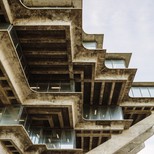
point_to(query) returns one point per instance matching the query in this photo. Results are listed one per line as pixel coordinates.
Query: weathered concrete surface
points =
(57, 3)
(137, 144)
(117, 142)
(19, 137)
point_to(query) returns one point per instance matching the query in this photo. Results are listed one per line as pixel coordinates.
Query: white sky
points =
(128, 26)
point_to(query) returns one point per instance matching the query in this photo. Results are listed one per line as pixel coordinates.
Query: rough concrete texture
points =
(127, 137)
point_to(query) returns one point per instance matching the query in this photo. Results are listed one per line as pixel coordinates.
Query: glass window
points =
(14, 37)
(104, 113)
(67, 140)
(141, 92)
(118, 64)
(35, 135)
(136, 92)
(151, 90)
(11, 115)
(116, 113)
(145, 92)
(1, 112)
(93, 113)
(4, 26)
(110, 63)
(86, 110)
(131, 93)
(90, 45)
(23, 117)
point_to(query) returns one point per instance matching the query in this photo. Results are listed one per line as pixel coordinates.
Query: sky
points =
(128, 26)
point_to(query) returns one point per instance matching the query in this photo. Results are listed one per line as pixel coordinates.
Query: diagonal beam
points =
(135, 132)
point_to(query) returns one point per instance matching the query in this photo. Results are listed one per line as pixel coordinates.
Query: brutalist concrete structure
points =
(60, 91)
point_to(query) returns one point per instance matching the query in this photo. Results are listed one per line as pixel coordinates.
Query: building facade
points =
(60, 91)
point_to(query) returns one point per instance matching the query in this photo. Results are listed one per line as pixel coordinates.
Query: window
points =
(102, 113)
(90, 45)
(54, 87)
(141, 92)
(115, 63)
(10, 115)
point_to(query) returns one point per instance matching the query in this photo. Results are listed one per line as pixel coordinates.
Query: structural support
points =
(119, 143)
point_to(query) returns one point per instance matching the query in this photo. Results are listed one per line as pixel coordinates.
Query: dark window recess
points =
(116, 93)
(65, 118)
(107, 91)
(2, 19)
(86, 143)
(87, 92)
(77, 86)
(1, 73)
(48, 68)
(97, 90)
(59, 34)
(12, 148)
(14, 101)
(77, 76)
(4, 83)
(9, 93)
(48, 78)
(15, 152)
(56, 120)
(7, 142)
(134, 117)
(78, 142)
(126, 116)
(104, 139)
(44, 46)
(48, 59)
(88, 72)
(95, 142)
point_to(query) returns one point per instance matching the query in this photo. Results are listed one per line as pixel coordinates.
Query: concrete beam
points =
(137, 144)
(125, 138)
(3, 96)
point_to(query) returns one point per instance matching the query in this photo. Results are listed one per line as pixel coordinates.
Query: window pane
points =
(86, 110)
(104, 113)
(90, 45)
(67, 140)
(1, 112)
(131, 93)
(144, 92)
(118, 64)
(4, 26)
(136, 92)
(108, 63)
(115, 63)
(151, 89)
(93, 113)
(10, 115)
(116, 113)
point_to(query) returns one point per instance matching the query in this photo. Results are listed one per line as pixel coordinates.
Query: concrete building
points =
(60, 91)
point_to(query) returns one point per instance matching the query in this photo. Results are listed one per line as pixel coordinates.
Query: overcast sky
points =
(128, 26)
